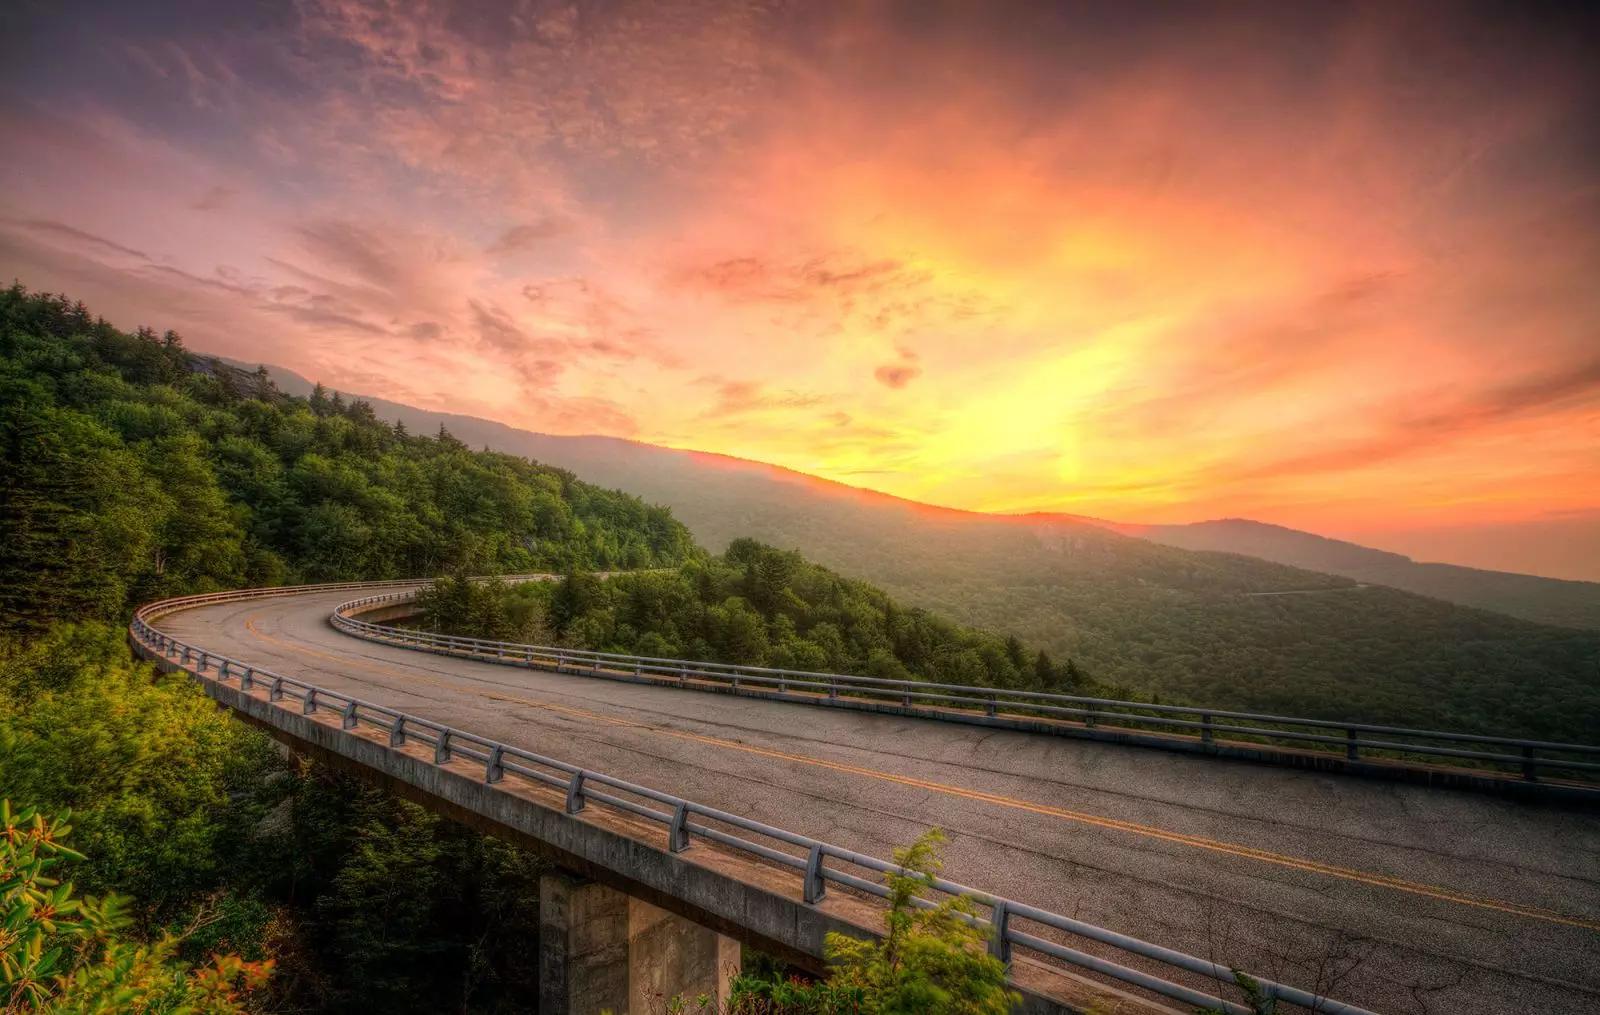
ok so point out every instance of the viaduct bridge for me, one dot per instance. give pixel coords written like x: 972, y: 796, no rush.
x: 1353, y: 869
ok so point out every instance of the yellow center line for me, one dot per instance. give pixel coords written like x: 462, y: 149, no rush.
x: 1133, y: 828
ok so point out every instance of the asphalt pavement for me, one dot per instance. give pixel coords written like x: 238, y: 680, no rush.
x: 1394, y: 897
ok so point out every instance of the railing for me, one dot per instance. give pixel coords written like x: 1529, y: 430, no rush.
x: 1068, y: 713
x: 685, y: 820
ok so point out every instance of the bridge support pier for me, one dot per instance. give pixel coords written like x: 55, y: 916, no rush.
x: 601, y: 949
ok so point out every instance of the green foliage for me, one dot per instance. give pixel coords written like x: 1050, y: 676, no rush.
x: 394, y: 907
x: 1254, y: 997
x: 360, y: 896
x: 132, y: 470
x: 61, y: 953
x: 755, y: 605
x: 930, y: 961
x: 1153, y: 619
x: 484, y: 610
x: 145, y: 761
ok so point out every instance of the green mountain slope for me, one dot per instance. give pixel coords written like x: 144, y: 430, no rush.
x: 132, y: 470
x: 1128, y: 611
x: 1545, y: 600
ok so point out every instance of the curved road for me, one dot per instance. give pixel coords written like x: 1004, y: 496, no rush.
x: 1397, y: 898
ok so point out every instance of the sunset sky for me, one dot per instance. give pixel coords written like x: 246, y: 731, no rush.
x: 1333, y: 266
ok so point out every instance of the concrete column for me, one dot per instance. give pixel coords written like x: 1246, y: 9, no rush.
x: 600, y: 950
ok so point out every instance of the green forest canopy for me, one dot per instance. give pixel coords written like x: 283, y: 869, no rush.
x: 131, y: 470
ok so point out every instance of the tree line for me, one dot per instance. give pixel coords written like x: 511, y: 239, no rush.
x: 132, y: 470
x: 755, y: 605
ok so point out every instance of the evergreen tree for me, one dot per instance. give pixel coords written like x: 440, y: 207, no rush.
x: 1044, y: 672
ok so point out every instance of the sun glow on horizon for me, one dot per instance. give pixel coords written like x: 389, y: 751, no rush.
x: 1322, y: 266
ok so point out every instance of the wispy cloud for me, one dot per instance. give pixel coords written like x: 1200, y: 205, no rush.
x: 1322, y: 260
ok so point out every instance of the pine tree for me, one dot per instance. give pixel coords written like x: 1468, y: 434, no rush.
x: 1016, y: 654
x: 49, y: 559
x: 1075, y: 679
x: 1044, y: 672
x: 319, y: 399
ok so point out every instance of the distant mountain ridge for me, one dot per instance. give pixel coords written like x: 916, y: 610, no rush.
x: 1134, y: 614
x: 721, y: 498
x: 1545, y: 600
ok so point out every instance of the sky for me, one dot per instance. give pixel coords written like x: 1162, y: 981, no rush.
x: 1327, y: 265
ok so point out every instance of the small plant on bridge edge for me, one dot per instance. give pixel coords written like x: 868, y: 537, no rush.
x: 931, y: 961
x: 1256, y: 998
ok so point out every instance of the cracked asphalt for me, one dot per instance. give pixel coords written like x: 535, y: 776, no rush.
x: 1396, y: 898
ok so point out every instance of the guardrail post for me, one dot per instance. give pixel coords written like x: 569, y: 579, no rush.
x: 833, y: 690
x: 1088, y: 720
x: 575, y: 799
x: 309, y: 702
x: 1205, y: 727
x: 683, y: 677
x: 276, y: 694
x: 441, y: 749
x: 638, y: 668
x: 990, y: 706
x: 245, y: 681
x: 1351, y: 750
x: 905, y: 699
x: 561, y: 662
x: 397, y: 732
x: 678, y: 832
x: 494, y: 771
x: 816, y: 884
x: 349, y: 719
x: 1000, y: 924
x: 1529, y: 771
x: 184, y: 659
x: 783, y: 687
x: 736, y: 681
x: 201, y: 668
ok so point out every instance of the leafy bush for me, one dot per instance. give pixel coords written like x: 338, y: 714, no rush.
x: 62, y: 953
x: 931, y: 961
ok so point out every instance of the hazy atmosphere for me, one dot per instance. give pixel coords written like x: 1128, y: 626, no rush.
x: 795, y: 507
x: 1329, y: 266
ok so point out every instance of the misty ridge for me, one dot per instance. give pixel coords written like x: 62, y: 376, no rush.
x: 1365, y: 635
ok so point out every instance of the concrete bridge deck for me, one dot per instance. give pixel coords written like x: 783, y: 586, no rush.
x: 1397, y: 898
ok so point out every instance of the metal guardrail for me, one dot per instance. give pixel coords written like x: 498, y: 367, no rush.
x: 1527, y: 757
x: 685, y: 819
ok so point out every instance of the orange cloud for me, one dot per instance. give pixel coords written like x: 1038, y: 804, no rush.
x: 1305, y: 263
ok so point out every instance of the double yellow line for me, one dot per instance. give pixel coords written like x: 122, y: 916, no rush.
x: 1114, y: 824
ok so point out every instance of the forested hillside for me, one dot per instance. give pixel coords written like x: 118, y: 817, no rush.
x: 755, y: 605
x: 131, y: 470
